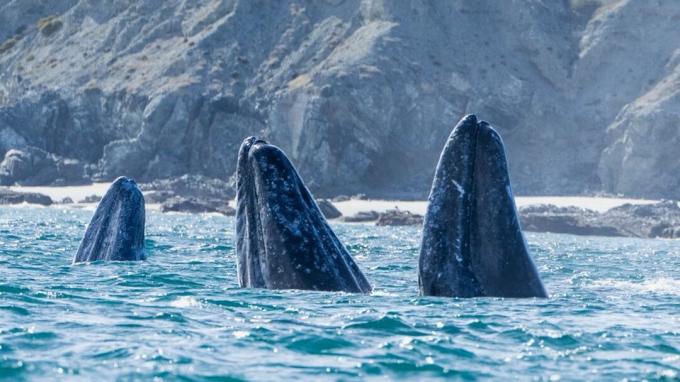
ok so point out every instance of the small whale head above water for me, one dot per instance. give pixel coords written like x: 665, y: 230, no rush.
x: 116, y: 231
x: 283, y: 239
x: 472, y: 243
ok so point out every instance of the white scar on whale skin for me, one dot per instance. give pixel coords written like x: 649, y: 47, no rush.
x: 460, y: 188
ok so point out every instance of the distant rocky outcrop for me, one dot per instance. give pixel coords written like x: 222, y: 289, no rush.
x: 362, y: 217
x: 31, y: 166
x: 397, y: 217
x: 360, y: 94
x: 191, y: 194
x: 660, y: 220
x: 394, y: 217
x: 90, y: 199
x: 197, y: 206
x: 8, y: 196
x: 188, y: 186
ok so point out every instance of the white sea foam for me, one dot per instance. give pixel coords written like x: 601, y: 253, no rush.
x: 185, y: 302
x: 665, y: 285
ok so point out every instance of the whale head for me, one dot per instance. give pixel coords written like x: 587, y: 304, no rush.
x: 116, y: 231
x: 472, y: 243
x: 283, y: 239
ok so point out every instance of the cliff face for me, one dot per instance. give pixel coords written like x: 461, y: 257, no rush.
x: 360, y: 94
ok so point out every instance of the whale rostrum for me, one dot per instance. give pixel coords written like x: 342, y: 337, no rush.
x: 283, y: 239
x: 472, y: 243
x: 116, y: 231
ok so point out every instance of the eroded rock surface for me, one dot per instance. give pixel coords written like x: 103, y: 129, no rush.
x: 360, y: 94
x: 660, y: 220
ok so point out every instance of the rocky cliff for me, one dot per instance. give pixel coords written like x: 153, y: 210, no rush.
x: 360, y: 94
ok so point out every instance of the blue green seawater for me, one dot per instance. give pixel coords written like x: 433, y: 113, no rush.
x: 613, y: 314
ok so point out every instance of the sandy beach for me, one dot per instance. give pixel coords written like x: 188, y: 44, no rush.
x: 353, y: 206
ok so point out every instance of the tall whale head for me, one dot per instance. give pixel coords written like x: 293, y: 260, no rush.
x: 283, y: 239
x: 116, y: 231
x: 472, y: 243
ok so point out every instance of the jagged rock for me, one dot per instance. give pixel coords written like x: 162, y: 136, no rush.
x: 361, y: 94
x: 328, y: 209
x: 361, y: 217
x: 66, y: 200
x: 397, y: 217
x: 91, y: 199
x: 8, y: 196
x: 649, y: 221
x: 194, y: 205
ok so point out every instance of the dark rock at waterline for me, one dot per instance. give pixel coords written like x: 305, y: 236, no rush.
x: 91, y: 199
x: 341, y: 198
x: 8, y: 196
x: 31, y: 166
x: 158, y: 196
x: 659, y: 220
x: 188, y: 185
x: 569, y: 220
x: 397, y: 217
x: 328, y: 209
x: 362, y: 217
x: 66, y: 200
x: 197, y: 206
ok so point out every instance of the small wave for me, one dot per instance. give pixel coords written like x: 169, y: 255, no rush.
x: 185, y: 302
x: 388, y: 324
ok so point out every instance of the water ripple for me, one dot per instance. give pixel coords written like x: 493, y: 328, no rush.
x: 180, y: 316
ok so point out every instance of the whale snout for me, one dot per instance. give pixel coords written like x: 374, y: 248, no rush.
x: 116, y: 231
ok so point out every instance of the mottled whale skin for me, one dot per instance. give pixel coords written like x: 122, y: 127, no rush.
x: 283, y: 240
x: 116, y: 231
x: 472, y: 243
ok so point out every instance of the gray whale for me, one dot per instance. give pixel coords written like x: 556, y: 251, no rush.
x: 472, y: 243
x: 282, y: 239
x: 116, y: 231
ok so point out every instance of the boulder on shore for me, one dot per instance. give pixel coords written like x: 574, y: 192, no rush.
x: 8, y: 196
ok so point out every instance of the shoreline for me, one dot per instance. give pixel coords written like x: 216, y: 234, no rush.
x: 348, y: 207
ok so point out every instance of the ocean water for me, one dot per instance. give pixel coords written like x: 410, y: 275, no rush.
x: 613, y: 314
